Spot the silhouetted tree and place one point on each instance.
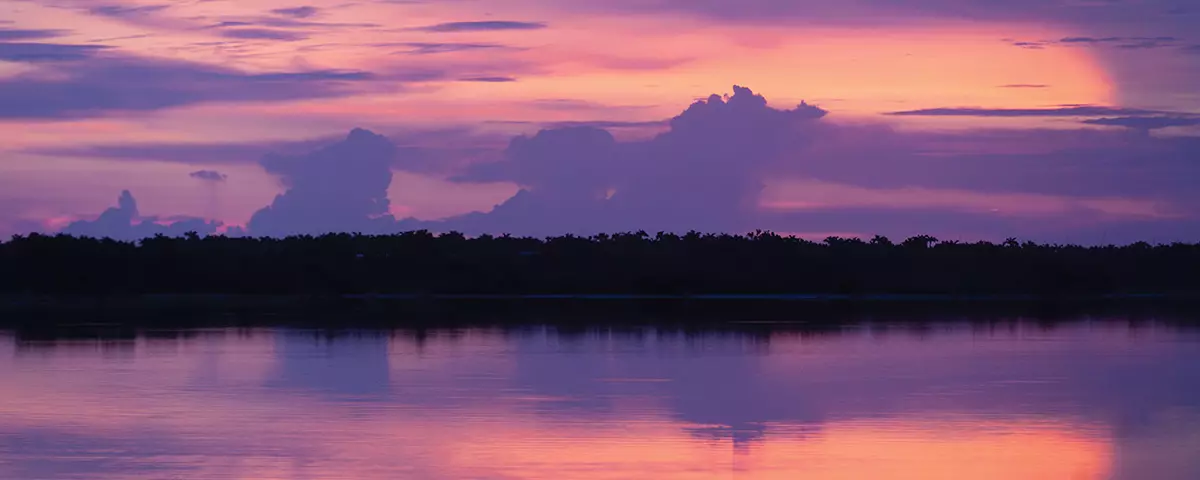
(627, 263)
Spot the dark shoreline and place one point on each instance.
(433, 311)
(421, 266)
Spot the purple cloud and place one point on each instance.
(284, 22)
(94, 84)
(296, 12)
(581, 180)
(483, 26)
(187, 153)
(339, 188)
(1122, 43)
(1146, 123)
(708, 171)
(125, 11)
(263, 34)
(209, 176)
(1114, 13)
(428, 48)
(124, 222)
(1068, 111)
(8, 34)
(47, 52)
(488, 79)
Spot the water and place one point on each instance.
(1083, 400)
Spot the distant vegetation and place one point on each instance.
(632, 263)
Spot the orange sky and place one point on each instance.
(585, 65)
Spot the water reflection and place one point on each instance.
(1085, 400)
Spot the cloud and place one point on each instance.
(339, 188)
(8, 34)
(1066, 111)
(1124, 43)
(1146, 123)
(96, 84)
(726, 164)
(147, 16)
(1030, 45)
(1079, 162)
(296, 12)
(425, 48)
(1108, 14)
(709, 170)
(481, 26)
(422, 151)
(1088, 40)
(124, 222)
(579, 179)
(208, 176)
(47, 52)
(1117, 39)
(187, 153)
(606, 124)
(488, 79)
(125, 11)
(1146, 44)
(283, 22)
(263, 34)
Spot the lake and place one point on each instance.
(1094, 398)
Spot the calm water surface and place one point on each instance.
(1084, 400)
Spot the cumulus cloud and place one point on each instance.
(339, 188)
(124, 222)
(209, 176)
(721, 164)
(708, 170)
(703, 173)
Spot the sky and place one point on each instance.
(1051, 120)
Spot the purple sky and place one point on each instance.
(1052, 120)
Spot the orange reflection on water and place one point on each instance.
(896, 448)
(215, 408)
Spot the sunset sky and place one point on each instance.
(1053, 120)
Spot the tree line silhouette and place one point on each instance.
(628, 263)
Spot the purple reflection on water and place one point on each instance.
(1088, 400)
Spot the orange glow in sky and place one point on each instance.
(563, 63)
